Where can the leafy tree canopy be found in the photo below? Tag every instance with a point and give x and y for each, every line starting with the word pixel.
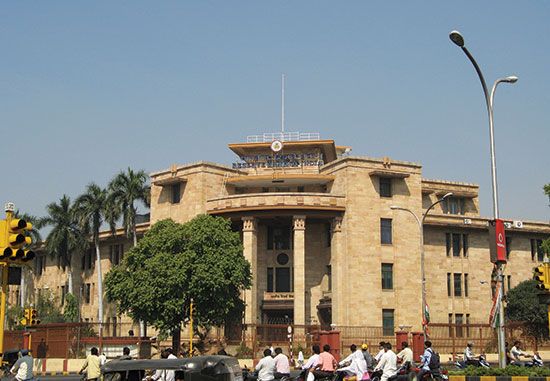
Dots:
pixel 523 305
pixel 173 263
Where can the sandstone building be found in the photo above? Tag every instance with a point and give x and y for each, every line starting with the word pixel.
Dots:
pixel 324 245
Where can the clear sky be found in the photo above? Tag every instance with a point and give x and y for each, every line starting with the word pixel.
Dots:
pixel 90 88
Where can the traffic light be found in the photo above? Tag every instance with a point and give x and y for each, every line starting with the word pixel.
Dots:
pixel 13 240
pixel 541 275
pixel 34 317
pixel 27 318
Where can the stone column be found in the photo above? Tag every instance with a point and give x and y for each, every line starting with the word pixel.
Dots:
pixel 250 250
pixel 337 265
pixel 299 250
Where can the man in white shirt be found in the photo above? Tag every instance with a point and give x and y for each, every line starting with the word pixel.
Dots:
pixel 380 351
pixel 354 364
pixel 164 374
pixel 282 366
pixel 312 362
pixel 517 353
pixel 387 363
pixel 469 356
pixel 406 354
pixel 266 367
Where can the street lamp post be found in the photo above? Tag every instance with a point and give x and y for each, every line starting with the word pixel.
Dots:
pixel 458 40
pixel 421 232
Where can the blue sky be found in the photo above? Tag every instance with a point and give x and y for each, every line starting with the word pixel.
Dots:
pixel 88 89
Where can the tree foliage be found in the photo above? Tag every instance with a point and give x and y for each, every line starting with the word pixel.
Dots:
pixel 523 306
pixel 70 312
pixel 48 308
pixel 173 263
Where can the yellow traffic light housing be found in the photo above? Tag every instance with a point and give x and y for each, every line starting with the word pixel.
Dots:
pixel 542 276
pixel 13 239
pixel 34 317
pixel 27 318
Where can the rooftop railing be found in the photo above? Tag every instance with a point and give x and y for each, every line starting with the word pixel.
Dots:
pixel 283 136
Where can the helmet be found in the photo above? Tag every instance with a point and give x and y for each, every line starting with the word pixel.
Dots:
pixel 365 346
pixel 24 352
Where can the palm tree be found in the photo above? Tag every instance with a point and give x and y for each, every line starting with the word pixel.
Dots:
pixel 36 238
pixel 65 238
pixel 125 189
pixel 91 210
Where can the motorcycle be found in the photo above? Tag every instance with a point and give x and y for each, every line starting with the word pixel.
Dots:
pixel 433 374
pixel 482 362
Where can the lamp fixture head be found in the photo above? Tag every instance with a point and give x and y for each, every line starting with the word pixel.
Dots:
pixel 456 38
pixel 510 79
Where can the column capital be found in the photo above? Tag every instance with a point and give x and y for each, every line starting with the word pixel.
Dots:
pixel 299 222
pixel 249 224
pixel 337 224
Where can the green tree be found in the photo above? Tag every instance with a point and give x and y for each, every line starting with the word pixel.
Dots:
pixel 523 306
pixel 173 263
pixel 70 312
pixel 91 210
pixel 48 308
pixel 65 238
pixel 125 190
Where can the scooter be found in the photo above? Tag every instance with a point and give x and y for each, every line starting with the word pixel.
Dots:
pixel 461 364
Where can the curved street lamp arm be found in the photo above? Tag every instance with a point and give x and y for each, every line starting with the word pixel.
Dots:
pixel 431 207
pixel 480 75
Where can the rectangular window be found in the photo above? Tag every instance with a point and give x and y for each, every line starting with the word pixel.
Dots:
pixel 385 186
pixel 301 189
pixel 466 285
pixel 449 290
pixel 509 282
pixel 459 321
pixel 388 323
pixel 329 276
pixel 278 237
pixel 87 293
pixel 387 276
pixel 282 279
pixel 328 232
pixel 451 325
pixel 115 253
pixel 63 294
pixel 270 279
pixel 467 325
pixel 175 193
pixel 265 190
pixel 385 231
pixel 457 284
pixel 536 250
pixel 448 243
pixel 508 247
pixel 457 245
pixel 40 265
pixel 540 252
pixel 465 245
pixel 455 205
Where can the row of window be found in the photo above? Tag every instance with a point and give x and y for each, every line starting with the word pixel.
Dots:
pixel 86 293
pixel 457 285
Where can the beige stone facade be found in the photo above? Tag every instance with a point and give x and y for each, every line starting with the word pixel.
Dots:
pixel 324 244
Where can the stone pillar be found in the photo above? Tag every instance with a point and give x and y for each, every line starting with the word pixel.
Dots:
pixel 250 250
pixel 338 267
pixel 299 250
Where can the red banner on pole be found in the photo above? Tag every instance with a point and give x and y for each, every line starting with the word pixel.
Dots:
pixel 497 241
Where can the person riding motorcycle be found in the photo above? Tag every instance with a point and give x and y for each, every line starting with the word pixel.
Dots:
pixel 387 363
pixel 469 357
pixel 326 365
pixel 354 364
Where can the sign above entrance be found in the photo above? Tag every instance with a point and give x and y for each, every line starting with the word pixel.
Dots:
pixel 280 160
pixel 276 146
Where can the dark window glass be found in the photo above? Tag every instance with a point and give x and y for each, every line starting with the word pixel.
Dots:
pixel 270 279
pixel 467 325
pixel 465 244
pixel 509 281
pixel 459 321
pixel 116 252
pixel 265 190
pixel 466 285
pixel 270 238
pixel 87 293
pixel 455 205
pixel 387 276
pixel 175 192
pixel 456 245
pixel 508 247
pixel 385 186
pixel 457 284
pixel 328 230
pixel 533 249
pixel 540 252
pixel 448 242
pixel 388 323
pixel 63 293
pixel 450 325
pixel 385 231
pixel 282 279
pixel 301 189
pixel 449 291
pixel 329 275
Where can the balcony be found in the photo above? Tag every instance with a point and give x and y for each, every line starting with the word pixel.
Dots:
pixel 276 201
